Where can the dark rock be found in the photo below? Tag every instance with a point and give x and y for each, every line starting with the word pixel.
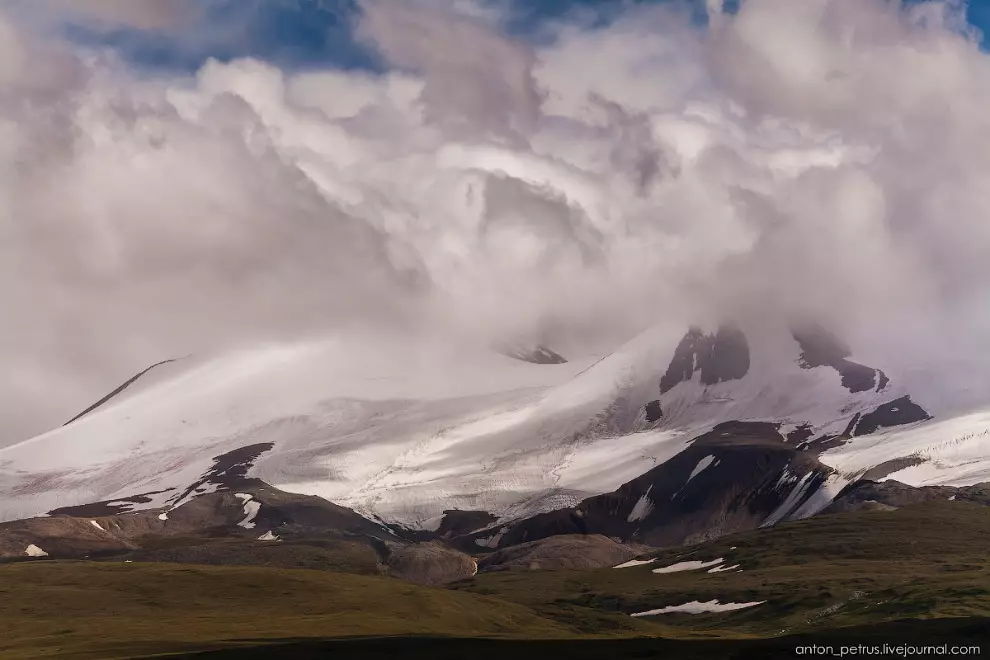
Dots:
pixel 866 494
pixel 742 473
pixel 458 523
pixel 895 413
pixel 116 391
pixel 653 412
pixel 720 357
pixel 800 435
pixel 538 355
pixel 729 357
pixel 820 348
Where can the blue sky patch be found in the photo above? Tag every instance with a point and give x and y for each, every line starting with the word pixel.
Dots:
pixel 308 33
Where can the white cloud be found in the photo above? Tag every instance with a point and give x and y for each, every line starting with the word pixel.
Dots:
pixel 826 157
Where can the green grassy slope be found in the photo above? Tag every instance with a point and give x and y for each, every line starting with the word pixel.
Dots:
pixel 100 610
pixel 927 562
pixel 930 560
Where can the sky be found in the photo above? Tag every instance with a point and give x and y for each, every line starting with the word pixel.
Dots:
pixel 185 176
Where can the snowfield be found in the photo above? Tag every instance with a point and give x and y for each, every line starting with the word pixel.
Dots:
pixel 696 607
pixel 402 431
pixel 682 566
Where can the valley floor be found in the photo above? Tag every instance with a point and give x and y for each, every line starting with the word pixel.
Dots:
pixel 916 575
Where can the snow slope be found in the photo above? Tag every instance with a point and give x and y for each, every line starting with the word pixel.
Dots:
pixel 402 431
pixel 396 431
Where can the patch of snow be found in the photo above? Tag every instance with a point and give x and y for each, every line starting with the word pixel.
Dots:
pixel 696 607
pixel 719 569
pixel 251 509
pixel 732 548
pixel 432 524
pixel 952 498
pixel 786 477
pixel 163 515
pixel 34 551
pixel 792 500
pixel 205 489
pixel 954 451
pixel 700 467
pixel 402 431
pixel 635 562
pixel 688 566
pixel 268 536
pixel 642 508
pixel 822 497
pixel 96 525
pixel 492 541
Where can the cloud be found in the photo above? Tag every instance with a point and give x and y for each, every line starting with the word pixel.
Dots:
pixel 139 14
pixel 453 53
pixel 825 158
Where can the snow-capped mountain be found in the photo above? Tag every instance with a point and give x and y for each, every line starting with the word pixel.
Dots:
pixel 402 433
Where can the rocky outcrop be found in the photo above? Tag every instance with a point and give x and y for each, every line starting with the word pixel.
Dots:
pixel 654 413
pixel 867 494
pixel 720 357
pixel 117 391
pixel 567 552
pixel 894 413
pixel 821 348
pixel 458 523
pixel 738 477
pixel 539 354
pixel 429 563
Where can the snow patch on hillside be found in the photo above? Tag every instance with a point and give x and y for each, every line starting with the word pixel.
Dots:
pixel 700 467
pixel 251 509
pixel 688 566
pixel 642 508
pixel 955 452
pixel 696 607
pixel 635 562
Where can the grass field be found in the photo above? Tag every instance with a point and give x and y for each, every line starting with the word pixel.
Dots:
pixel 926 561
pixel 102 610
pixel 930 563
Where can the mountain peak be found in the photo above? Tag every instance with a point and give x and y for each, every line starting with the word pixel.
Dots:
pixel 719 357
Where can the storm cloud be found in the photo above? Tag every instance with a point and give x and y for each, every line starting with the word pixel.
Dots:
pixel 824 158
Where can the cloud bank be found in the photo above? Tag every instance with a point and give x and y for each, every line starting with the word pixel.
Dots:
pixel 824 158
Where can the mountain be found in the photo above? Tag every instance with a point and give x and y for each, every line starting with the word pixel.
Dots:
pixel 667 440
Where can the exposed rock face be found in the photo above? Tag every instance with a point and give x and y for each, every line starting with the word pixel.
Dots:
pixel 720 357
pixel 895 413
pixel 820 348
pixel 429 563
pixel 866 494
pixel 654 413
pixel 61 537
pixel 458 523
pixel 537 355
pixel 212 528
pixel 568 552
pixel 737 477
pixel 116 391
pixel 208 516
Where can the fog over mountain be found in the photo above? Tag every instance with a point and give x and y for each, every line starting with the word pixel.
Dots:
pixel 821 160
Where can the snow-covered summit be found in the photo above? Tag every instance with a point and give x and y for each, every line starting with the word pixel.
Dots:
pixel 404 431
